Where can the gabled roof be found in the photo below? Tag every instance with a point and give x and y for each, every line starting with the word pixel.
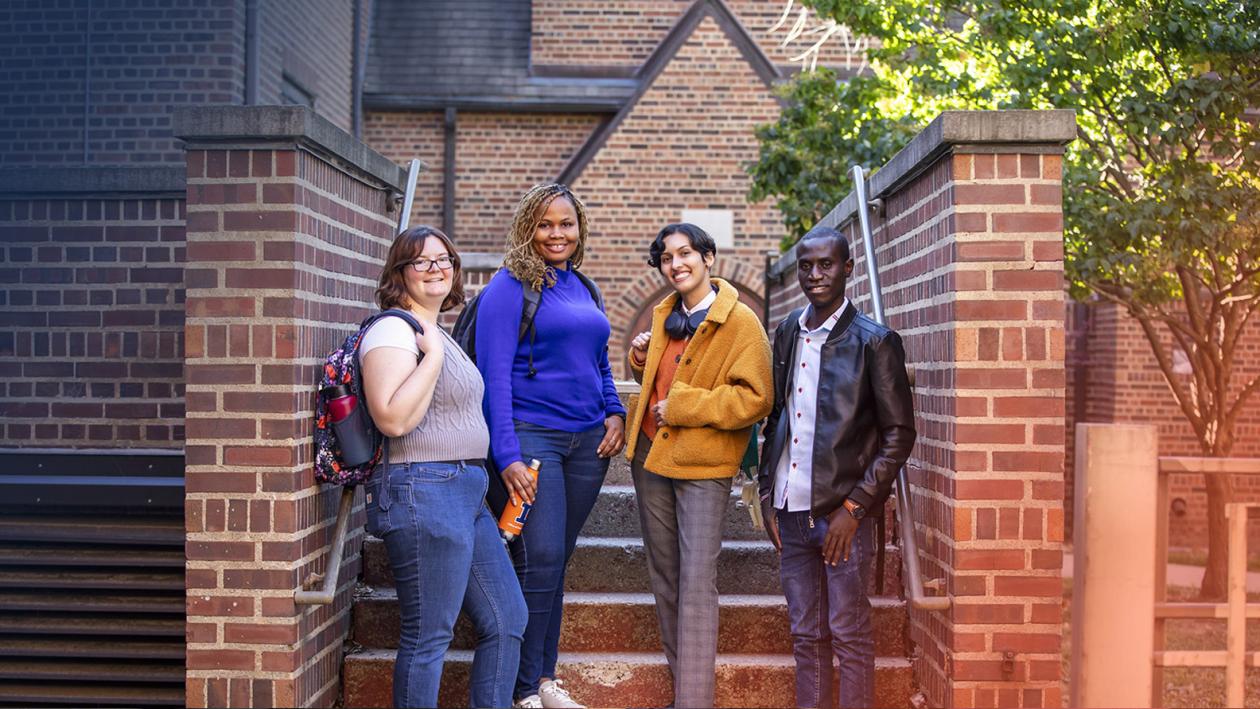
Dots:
pixel 660 58
pixel 430 54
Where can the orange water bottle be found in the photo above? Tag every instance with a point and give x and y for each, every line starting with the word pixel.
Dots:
pixel 512 521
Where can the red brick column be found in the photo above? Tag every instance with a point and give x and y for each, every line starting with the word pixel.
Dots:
pixel 970 249
pixel 289 219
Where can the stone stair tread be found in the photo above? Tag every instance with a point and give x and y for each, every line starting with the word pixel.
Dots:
pixel 633 658
pixel 388 593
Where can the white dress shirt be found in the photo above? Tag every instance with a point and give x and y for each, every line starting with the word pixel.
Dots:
pixel 793 476
pixel 703 304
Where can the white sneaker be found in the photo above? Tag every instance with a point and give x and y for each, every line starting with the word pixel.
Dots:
pixel 554 696
pixel 533 701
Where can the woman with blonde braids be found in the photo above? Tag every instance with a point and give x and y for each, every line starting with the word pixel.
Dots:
pixel 549 396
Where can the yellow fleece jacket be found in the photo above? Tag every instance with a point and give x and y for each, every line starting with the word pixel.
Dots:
pixel 723 386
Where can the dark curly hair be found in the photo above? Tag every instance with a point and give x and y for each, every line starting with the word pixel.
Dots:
pixel 392 290
pixel 699 238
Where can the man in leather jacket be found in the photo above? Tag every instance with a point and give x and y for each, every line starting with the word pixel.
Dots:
pixel 841 427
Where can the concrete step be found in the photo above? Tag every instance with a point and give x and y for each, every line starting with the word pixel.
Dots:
pixel 616 514
pixel 626 622
pixel 624 680
pixel 618 565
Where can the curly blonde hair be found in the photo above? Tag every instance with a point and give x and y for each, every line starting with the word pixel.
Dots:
pixel 522 260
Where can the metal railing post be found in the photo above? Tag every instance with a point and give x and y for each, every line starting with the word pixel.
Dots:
pixel 913 577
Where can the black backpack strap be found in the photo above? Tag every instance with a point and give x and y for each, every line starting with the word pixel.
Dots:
pixel 596 295
pixel 399 313
pixel 529 309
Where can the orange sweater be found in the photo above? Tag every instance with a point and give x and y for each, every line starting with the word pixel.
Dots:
pixel 665 372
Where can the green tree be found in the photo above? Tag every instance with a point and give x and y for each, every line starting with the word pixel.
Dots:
pixel 1162 183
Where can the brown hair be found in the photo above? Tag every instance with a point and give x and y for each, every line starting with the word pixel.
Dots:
pixel 522 260
pixel 392 290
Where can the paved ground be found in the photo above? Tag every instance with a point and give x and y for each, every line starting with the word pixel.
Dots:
pixel 1178 574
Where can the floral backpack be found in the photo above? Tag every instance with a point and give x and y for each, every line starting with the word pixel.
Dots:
pixel 341 367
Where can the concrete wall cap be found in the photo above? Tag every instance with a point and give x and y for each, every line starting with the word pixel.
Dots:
pixel 256 126
pixel 92 180
pixel 1013 128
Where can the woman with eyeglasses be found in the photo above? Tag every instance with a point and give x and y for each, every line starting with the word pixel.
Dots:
pixel 550 396
pixel 427 502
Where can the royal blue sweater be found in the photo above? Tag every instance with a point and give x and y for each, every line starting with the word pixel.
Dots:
pixel 573 389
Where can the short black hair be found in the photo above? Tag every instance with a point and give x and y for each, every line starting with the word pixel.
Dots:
pixel 699 238
pixel 826 232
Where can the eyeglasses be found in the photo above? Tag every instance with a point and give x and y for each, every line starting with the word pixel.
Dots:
pixel 425 265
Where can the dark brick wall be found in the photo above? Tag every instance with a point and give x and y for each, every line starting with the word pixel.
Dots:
pixel 129 66
pixel 125 66
pixel 92 323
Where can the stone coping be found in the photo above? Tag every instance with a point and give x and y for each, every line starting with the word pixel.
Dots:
pixel 84 181
pixel 980 130
pixel 259 127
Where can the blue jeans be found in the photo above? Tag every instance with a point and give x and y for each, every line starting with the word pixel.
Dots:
pixel 568 483
pixel 829 612
pixel 445 551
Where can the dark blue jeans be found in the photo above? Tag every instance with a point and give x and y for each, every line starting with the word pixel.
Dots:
pixel 829 612
pixel 445 552
pixel 568 483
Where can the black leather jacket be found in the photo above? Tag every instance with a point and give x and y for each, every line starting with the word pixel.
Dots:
pixel 864 425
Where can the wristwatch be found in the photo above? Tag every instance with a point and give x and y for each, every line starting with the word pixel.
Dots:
pixel 856 510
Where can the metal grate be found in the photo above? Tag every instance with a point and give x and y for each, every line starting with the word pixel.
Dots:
pixel 91 579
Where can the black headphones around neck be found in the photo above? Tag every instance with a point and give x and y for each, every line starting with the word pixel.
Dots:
pixel 681 326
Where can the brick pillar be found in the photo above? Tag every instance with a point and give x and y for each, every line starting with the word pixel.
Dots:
pixel 1002 555
pixel 288 222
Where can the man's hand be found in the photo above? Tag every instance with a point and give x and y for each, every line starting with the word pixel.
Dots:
pixel 839 540
pixel 771 521
pixel 614 440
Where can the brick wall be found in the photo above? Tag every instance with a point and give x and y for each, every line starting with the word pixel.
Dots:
pixel 673 151
pixel 404 136
pixel 91 316
pixel 501 155
pixel 970 253
pixel 284 248
pixel 136 67
pixel 591 33
pixel 124 69
pixel 310 43
pixel 1125 385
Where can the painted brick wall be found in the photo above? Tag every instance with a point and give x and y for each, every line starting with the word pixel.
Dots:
pixel 91 322
pixel 1125 385
pixel 591 33
pixel 138 67
pixel 970 256
pixel 673 152
pixel 284 251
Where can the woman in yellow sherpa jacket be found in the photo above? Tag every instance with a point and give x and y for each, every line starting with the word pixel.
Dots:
pixel 705 371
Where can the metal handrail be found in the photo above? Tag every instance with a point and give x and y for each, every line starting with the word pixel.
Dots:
pixel 913 576
pixel 328 589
